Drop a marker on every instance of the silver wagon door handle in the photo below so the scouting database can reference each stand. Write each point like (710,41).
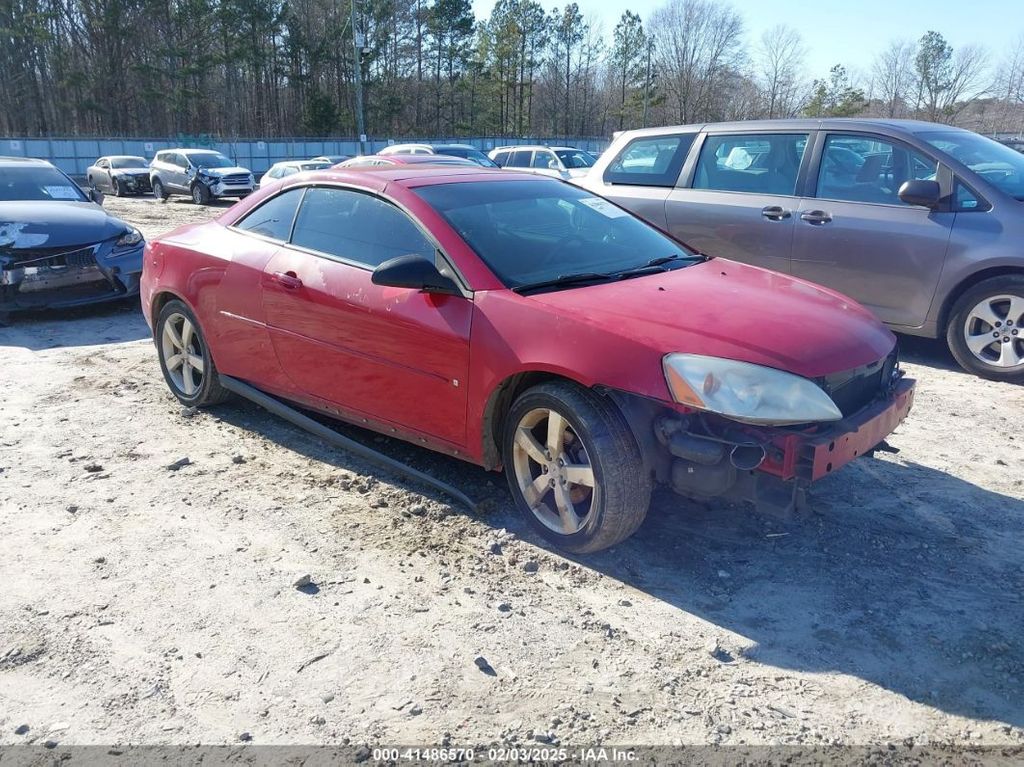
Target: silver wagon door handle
(816,217)
(775,213)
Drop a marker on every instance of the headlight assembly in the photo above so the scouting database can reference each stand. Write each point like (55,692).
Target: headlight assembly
(745,392)
(131,237)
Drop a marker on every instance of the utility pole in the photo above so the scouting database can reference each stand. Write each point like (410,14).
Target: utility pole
(647,78)
(357,58)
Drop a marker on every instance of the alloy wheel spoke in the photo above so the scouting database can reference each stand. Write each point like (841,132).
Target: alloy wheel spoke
(535,491)
(1008,356)
(175,361)
(186,333)
(171,334)
(579,474)
(556,430)
(188,382)
(566,512)
(986,313)
(196,362)
(1016,311)
(980,342)
(529,443)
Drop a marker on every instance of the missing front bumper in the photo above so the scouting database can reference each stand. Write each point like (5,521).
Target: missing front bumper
(705,466)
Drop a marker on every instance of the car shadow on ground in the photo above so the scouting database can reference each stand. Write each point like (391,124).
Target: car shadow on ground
(901,575)
(107,323)
(932,352)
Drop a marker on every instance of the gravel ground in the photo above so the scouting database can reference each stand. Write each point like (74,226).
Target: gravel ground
(150,556)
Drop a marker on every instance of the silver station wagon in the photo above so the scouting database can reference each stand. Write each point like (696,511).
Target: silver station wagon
(922,223)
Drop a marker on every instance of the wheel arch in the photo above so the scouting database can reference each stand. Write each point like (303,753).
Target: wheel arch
(966,284)
(160,300)
(500,401)
(636,410)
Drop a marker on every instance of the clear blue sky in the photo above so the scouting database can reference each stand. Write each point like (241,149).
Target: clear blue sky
(850,32)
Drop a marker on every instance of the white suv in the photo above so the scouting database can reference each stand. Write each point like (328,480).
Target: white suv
(200,173)
(559,161)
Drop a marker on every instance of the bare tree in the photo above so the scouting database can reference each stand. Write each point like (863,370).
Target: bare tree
(699,42)
(780,59)
(892,78)
(1010,88)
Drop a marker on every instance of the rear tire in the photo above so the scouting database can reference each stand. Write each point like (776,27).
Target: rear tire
(158,189)
(579,480)
(185,358)
(985,332)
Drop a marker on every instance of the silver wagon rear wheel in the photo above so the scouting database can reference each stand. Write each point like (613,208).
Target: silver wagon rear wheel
(993,330)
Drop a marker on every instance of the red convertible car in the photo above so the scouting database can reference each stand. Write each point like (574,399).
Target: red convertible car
(518,322)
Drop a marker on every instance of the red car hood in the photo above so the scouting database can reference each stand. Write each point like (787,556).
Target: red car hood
(726,309)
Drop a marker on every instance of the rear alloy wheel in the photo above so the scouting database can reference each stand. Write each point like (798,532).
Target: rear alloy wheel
(200,194)
(185,359)
(986,329)
(574,468)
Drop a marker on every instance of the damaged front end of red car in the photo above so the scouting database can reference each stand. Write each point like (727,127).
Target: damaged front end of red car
(704,455)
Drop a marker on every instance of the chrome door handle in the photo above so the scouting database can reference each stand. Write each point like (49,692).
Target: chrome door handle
(775,213)
(816,217)
(288,280)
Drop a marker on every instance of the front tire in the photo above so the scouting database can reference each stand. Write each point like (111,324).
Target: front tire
(986,329)
(185,358)
(158,189)
(116,188)
(574,468)
(200,194)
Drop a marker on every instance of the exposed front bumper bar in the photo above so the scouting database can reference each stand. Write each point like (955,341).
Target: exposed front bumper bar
(770,467)
(809,457)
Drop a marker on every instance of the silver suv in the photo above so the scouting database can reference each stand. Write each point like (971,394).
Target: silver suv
(559,161)
(203,174)
(922,223)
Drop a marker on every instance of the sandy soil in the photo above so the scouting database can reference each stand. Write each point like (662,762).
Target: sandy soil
(147,601)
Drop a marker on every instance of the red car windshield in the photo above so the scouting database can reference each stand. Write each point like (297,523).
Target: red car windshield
(534,233)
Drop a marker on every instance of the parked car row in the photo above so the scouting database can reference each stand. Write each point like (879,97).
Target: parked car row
(691,346)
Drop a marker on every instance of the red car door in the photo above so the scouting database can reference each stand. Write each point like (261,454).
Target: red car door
(393,354)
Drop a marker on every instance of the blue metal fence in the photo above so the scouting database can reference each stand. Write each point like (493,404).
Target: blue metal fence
(74,155)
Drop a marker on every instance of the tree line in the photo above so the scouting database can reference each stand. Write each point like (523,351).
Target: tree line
(265,68)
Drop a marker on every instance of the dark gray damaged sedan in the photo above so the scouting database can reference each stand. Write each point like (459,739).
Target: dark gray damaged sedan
(58,247)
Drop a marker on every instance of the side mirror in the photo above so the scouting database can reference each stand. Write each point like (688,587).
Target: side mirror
(414,272)
(96,196)
(918,192)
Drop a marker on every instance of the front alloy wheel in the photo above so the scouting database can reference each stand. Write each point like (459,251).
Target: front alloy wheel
(200,193)
(553,471)
(986,329)
(574,468)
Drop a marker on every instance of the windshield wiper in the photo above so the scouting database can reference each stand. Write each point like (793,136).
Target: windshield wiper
(565,279)
(655,265)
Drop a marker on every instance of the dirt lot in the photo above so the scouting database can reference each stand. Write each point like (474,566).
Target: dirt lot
(145,601)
